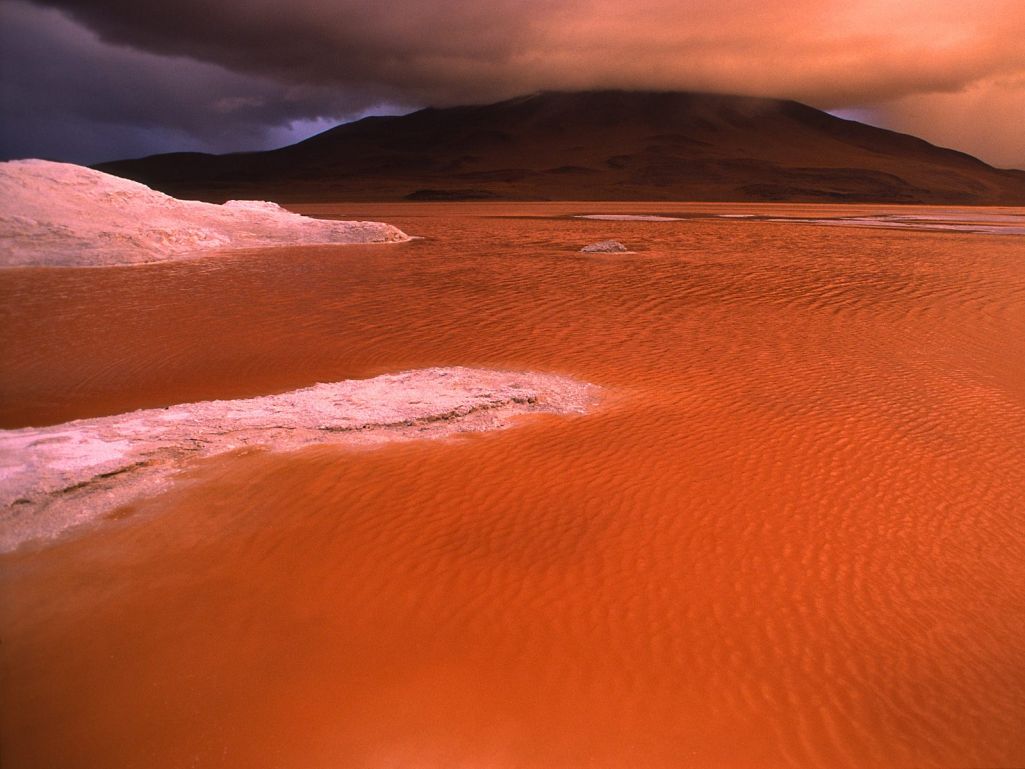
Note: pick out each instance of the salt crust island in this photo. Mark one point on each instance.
(628, 218)
(65, 215)
(1005, 221)
(54, 478)
(606, 247)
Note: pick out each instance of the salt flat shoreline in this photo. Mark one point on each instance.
(58, 477)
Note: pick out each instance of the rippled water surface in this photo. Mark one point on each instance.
(791, 536)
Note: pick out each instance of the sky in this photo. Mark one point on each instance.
(93, 80)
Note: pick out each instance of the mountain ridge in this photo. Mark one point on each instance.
(595, 145)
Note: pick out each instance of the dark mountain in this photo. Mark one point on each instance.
(610, 145)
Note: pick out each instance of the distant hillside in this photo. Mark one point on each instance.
(611, 145)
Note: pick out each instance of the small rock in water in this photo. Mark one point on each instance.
(606, 247)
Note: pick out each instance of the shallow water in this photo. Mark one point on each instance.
(792, 535)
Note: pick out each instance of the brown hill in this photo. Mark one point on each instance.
(609, 145)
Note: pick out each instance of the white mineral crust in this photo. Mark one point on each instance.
(52, 478)
(60, 214)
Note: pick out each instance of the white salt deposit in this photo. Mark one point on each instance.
(629, 218)
(977, 222)
(606, 247)
(968, 221)
(53, 478)
(60, 214)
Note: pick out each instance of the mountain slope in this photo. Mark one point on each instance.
(613, 145)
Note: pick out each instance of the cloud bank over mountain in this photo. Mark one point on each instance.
(252, 71)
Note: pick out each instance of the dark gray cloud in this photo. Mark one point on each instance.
(68, 95)
(247, 68)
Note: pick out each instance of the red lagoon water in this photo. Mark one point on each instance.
(791, 536)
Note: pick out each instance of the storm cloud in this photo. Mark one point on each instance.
(949, 71)
(67, 95)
